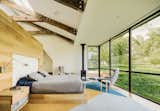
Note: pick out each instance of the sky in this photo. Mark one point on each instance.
(144, 29)
(23, 3)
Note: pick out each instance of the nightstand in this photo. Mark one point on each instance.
(14, 99)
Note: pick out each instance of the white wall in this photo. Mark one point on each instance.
(47, 63)
(62, 52)
(22, 66)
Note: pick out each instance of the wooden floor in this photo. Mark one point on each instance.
(65, 102)
(58, 102)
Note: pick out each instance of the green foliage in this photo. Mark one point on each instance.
(93, 59)
(153, 47)
(147, 86)
(120, 46)
(104, 55)
(120, 51)
(122, 81)
(147, 50)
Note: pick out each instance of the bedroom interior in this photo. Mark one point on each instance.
(53, 58)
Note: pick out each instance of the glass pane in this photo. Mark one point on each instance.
(105, 60)
(92, 62)
(122, 81)
(119, 57)
(146, 47)
(92, 73)
(147, 86)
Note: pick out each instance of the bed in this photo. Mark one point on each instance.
(52, 84)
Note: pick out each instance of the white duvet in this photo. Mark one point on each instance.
(58, 84)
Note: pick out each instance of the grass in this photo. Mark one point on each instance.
(147, 86)
(122, 81)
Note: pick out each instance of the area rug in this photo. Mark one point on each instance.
(110, 102)
(97, 85)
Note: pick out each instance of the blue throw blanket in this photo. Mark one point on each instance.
(25, 81)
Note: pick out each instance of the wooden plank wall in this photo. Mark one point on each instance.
(15, 40)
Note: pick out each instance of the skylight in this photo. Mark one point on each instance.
(23, 3)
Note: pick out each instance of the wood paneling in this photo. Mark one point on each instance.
(5, 81)
(6, 61)
(15, 40)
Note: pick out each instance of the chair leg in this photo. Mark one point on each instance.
(101, 86)
(108, 85)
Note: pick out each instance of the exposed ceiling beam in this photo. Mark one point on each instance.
(39, 32)
(36, 17)
(26, 19)
(57, 24)
(46, 31)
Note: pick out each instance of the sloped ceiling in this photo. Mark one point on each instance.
(56, 29)
(67, 18)
(57, 11)
(103, 19)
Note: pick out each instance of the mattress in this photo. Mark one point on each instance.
(58, 84)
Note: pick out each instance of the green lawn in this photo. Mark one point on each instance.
(147, 86)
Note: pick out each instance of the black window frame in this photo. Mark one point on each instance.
(129, 30)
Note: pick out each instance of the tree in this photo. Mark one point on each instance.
(120, 51)
(104, 55)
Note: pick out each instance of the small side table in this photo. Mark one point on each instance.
(106, 80)
(14, 99)
(87, 81)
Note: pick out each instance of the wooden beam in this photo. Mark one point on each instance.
(26, 19)
(36, 17)
(57, 24)
(46, 31)
(39, 32)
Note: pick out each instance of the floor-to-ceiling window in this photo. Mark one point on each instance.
(146, 60)
(104, 57)
(92, 62)
(119, 59)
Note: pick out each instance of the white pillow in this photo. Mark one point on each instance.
(36, 76)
